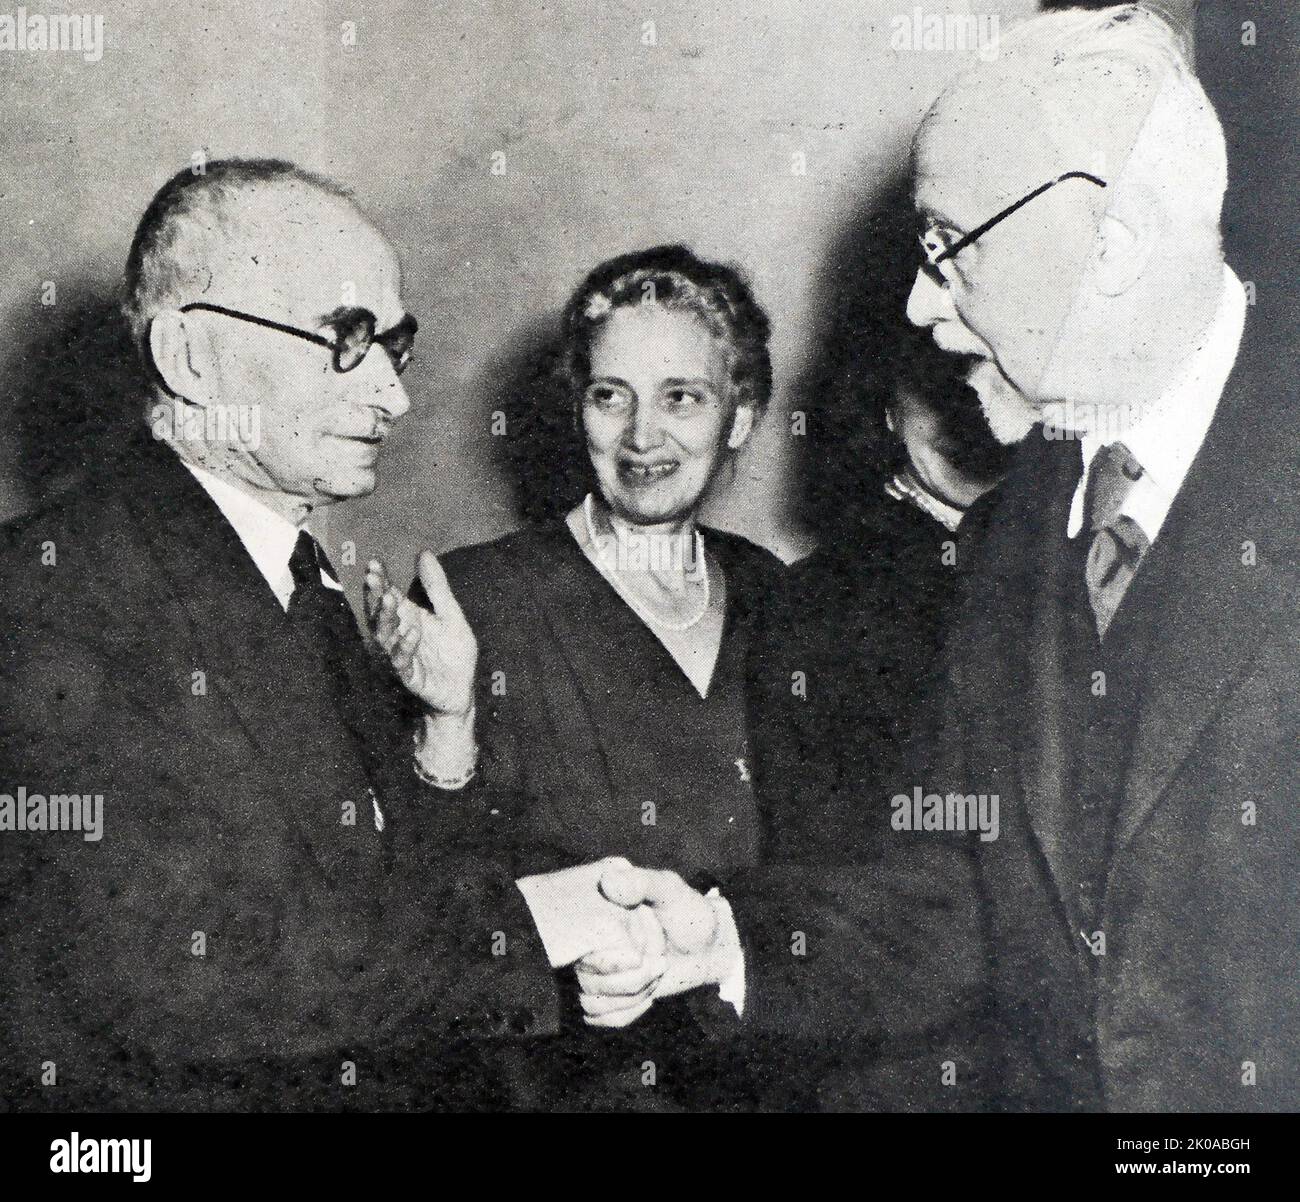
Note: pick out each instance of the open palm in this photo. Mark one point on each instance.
(433, 651)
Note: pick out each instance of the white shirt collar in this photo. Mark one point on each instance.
(1166, 438)
(268, 537)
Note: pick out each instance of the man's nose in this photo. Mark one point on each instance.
(929, 301)
(391, 397)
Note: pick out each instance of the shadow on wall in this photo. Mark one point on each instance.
(542, 452)
(867, 353)
(72, 389)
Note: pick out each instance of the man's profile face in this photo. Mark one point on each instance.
(1007, 298)
(321, 431)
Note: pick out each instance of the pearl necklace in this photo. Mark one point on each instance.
(611, 575)
(905, 487)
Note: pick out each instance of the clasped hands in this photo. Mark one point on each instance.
(672, 940)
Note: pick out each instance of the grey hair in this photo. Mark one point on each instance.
(168, 263)
(1140, 57)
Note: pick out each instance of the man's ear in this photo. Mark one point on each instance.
(1126, 239)
(742, 425)
(177, 361)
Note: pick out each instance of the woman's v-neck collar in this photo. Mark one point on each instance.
(572, 558)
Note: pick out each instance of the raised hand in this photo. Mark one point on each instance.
(434, 652)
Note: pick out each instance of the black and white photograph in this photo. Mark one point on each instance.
(649, 557)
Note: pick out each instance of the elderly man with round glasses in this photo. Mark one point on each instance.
(269, 918)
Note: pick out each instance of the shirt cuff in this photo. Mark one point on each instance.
(731, 988)
(446, 755)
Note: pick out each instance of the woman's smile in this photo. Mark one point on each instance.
(647, 473)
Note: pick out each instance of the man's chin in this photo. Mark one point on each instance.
(1009, 413)
(348, 487)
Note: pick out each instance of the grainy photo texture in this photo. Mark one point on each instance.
(649, 557)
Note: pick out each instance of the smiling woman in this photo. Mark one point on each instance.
(618, 645)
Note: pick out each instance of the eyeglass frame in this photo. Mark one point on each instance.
(407, 325)
(980, 230)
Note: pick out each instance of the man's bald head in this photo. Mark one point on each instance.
(190, 234)
(1110, 92)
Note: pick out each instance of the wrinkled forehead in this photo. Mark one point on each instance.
(296, 254)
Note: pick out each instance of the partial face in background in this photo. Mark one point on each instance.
(1006, 299)
(952, 454)
(312, 261)
(658, 412)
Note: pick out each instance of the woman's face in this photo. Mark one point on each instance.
(657, 413)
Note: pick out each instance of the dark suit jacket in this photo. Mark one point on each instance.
(868, 964)
(1201, 899)
(892, 959)
(152, 664)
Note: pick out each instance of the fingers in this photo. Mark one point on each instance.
(610, 960)
(387, 622)
(404, 653)
(376, 584)
(639, 981)
(635, 986)
(624, 970)
(627, 885)
(619, 1018)
(436, 586)
(688, 920)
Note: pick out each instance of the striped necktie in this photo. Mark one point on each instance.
(1118, 542)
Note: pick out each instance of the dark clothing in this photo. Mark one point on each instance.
(864, 624)
(1160, 813)
(586, 715)
(595, 743)
(243, 928)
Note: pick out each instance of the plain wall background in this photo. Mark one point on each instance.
(609, 145)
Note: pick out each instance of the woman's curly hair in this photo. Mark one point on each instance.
(680, 282)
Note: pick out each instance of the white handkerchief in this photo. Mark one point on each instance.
(572, 916)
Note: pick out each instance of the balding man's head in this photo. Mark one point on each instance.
(198, 218)
(257, 284)
(1107, 100)
(1111, 92)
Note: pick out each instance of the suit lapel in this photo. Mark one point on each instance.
(1200, 610)
(1027, 542)
(244, 649)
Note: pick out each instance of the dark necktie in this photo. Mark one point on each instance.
(1118, 542)
(323, 618)
(311, 603)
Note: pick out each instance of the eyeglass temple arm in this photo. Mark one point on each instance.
(980, 230)
(265, 322)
